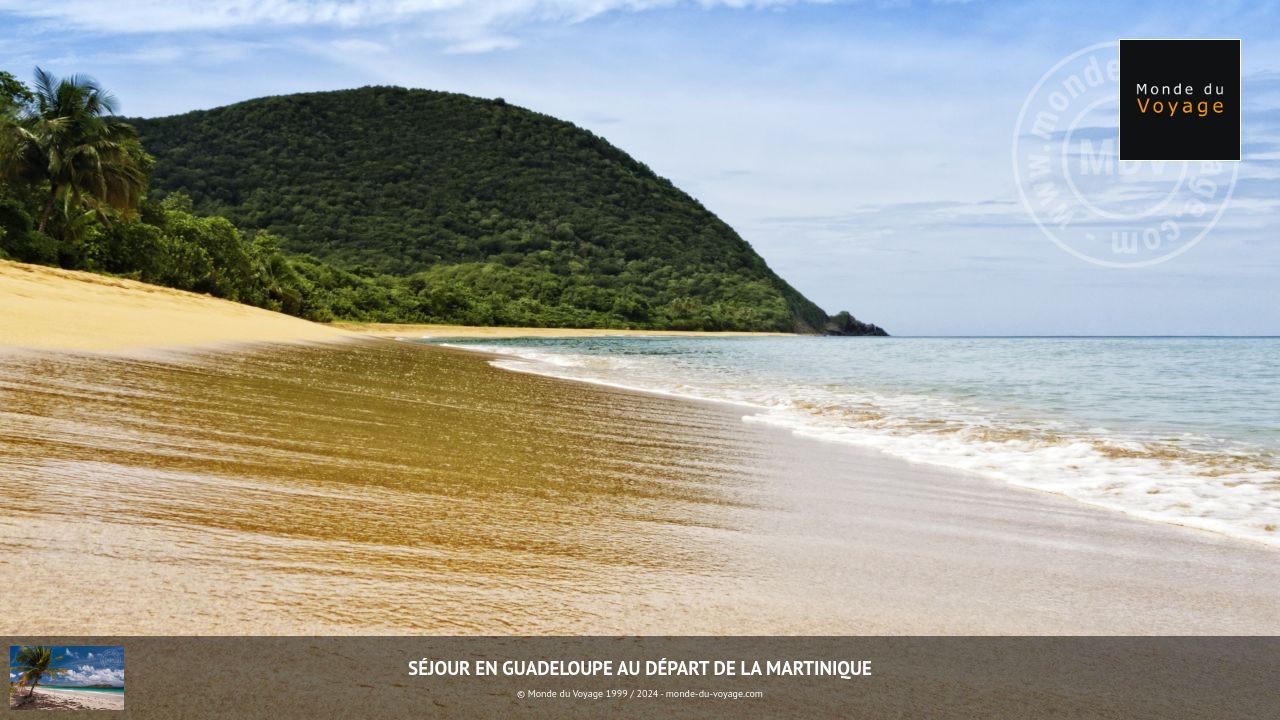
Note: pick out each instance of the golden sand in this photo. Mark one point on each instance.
(54, 309)
(360, 487)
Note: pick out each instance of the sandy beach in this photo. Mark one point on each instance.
(55, 309)
(375, 487)
(63, 699)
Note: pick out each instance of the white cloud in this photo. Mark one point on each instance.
(128, 16)
(89, 675)
(459, 26)
(482, 45)
(359, 46)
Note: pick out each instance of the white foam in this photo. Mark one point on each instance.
(1234, 491)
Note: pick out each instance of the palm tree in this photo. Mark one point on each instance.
(68, 139)
(32, 663)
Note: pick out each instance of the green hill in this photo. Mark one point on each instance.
(486, 212)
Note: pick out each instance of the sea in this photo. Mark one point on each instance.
(1182, 430)
(76, 688)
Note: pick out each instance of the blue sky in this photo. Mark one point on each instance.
(85, 665)
(863, 148)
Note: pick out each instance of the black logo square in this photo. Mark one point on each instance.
(1179, 99)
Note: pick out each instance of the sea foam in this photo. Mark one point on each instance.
(1180, 473)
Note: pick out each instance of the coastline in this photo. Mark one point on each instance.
(370, 487)
(395, 488)
(67, 699)
(1165, 482)
(404, 331)
(48, 308)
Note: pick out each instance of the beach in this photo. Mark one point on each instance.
(66, 699)
(369, 486)
(55, 309)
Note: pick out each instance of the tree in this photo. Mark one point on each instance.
(32, 663)
(67, 140)
(13, 94)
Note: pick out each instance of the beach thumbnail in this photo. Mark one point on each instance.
(79, 677)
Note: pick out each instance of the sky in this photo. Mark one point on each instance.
(84, 664)
(865, 149)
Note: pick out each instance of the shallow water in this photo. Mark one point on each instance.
(73, 688)
(1184, 430)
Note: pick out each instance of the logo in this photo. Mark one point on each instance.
(1180, 99)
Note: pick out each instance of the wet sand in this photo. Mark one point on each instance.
(377, 487)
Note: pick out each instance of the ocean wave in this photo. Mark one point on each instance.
(1187, 478)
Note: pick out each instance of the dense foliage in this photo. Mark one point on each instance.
(72, 184)
(842, 323)
(493, 213)
(378, 204)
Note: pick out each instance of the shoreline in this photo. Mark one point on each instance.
(514, 363)
(405, 488)
(71, 699)
(49, 308)
(611, 511)
(417, 332)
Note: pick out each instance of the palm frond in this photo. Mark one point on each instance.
(70, 142)
(46, 89)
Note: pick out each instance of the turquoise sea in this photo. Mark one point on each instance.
(1180, 430)
(118, 691)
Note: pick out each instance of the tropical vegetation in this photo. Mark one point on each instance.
(377, 204)
(33, 663)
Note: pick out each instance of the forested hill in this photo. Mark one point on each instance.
(500, 214)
